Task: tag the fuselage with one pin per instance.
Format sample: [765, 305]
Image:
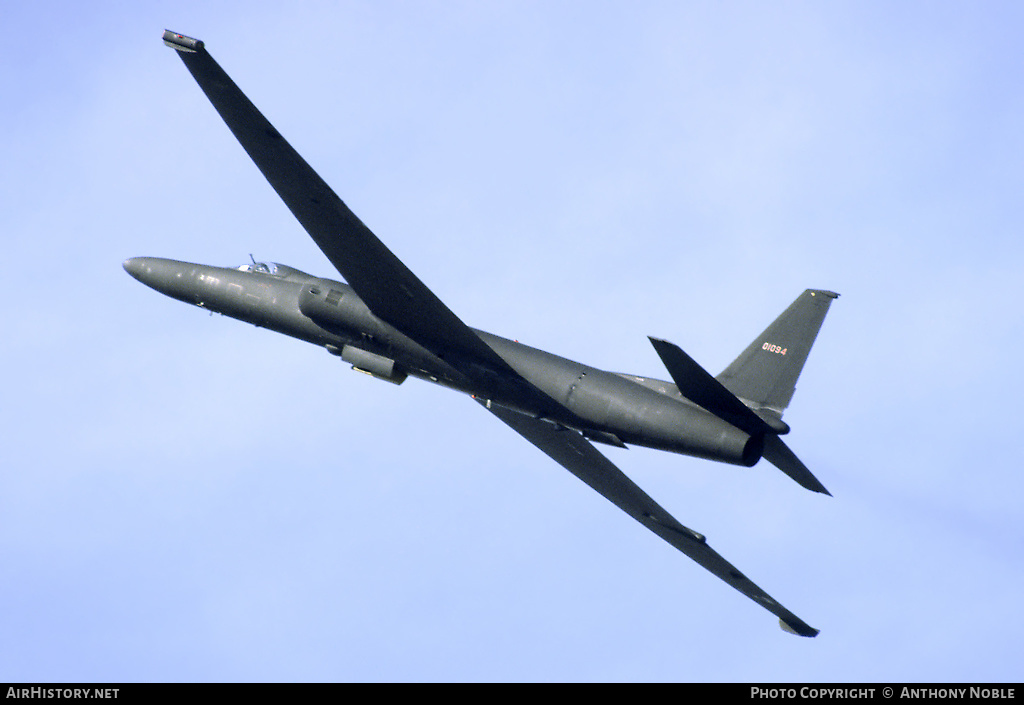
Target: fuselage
[607, 407]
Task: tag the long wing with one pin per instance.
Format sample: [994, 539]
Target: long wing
[575, 453]
[397, 296]
[391, 291]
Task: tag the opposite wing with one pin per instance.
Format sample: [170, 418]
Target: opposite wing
[575, 453]
[392, 292]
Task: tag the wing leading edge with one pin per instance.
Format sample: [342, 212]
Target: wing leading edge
[576, 454]
[391, 291]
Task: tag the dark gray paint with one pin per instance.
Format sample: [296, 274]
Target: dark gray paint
[387, 323]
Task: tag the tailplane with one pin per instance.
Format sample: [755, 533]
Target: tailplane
[778, 454]
[756, 388]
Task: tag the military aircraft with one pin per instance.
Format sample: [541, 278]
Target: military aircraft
[386, 323]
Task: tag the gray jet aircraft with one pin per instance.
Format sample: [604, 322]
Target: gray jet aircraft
[385, 322]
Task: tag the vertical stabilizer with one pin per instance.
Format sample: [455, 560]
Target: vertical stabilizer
[766, 372]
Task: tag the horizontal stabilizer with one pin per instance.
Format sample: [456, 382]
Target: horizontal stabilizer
[696, 384]
[778, 454]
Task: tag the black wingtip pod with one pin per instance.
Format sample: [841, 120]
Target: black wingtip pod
[179, 42]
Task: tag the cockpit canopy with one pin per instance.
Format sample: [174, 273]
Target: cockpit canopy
[271, 268]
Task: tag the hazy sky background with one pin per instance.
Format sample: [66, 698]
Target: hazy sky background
[187, 498]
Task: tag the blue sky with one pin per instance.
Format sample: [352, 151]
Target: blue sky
[188, 498]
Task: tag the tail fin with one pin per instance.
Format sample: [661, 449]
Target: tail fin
[765, 373]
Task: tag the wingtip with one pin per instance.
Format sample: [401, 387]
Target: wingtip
[179, 42]
[798, 628]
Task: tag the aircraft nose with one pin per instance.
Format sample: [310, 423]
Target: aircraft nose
[171, 277]
[154, 272]
[135, 266]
